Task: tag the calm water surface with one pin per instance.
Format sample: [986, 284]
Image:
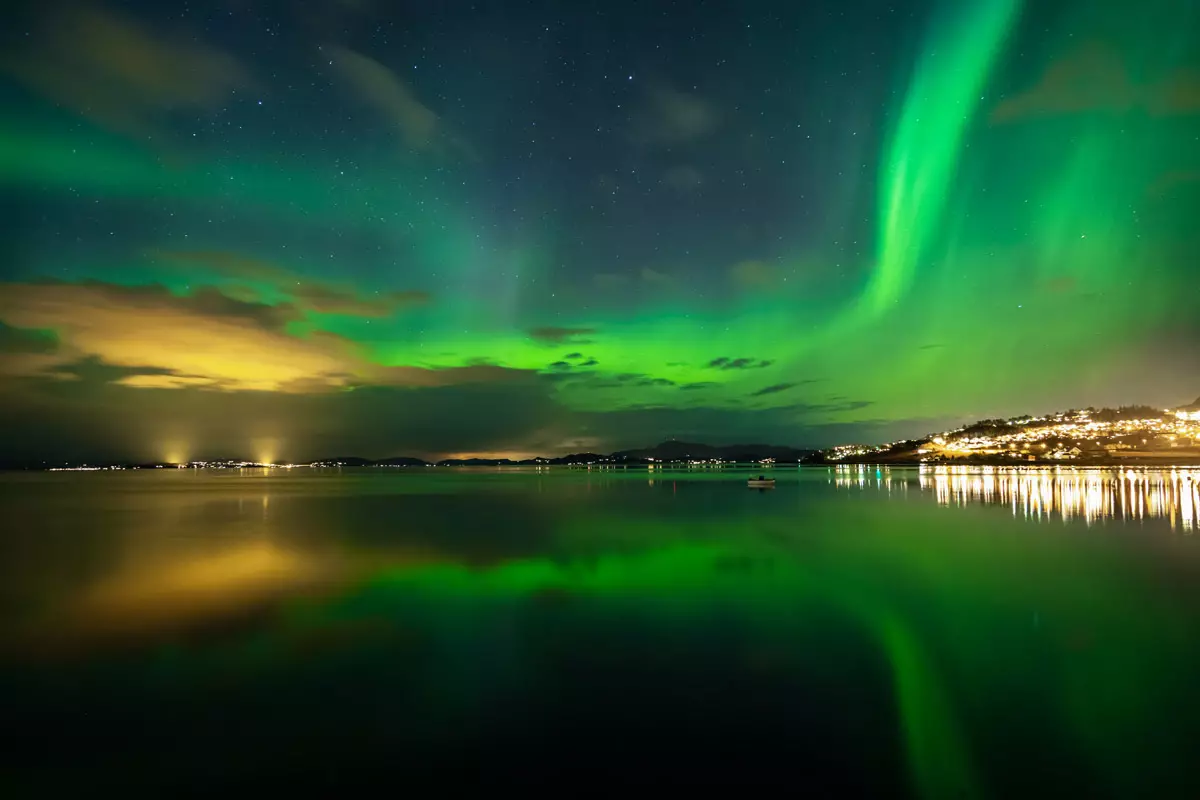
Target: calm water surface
[936, 633]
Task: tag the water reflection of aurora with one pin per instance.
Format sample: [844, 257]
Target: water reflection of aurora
[957, 649]
[961, 645]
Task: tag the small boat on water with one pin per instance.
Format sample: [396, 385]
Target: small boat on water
[761, 482]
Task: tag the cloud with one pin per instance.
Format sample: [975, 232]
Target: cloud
[689, 387]
[683, 178]
[640, 379]
[799, 425]
[670, 117]
[1172, 181]
[317, 296]
[738, 363]
[92, 369]
[555, 335]
[562, 369]
[1094, 78]
[1062, 284]
[21, 340]
[753, 274]
[228, 264]
[165, 340]
[656, 278]
[573, 356]
[328, 300]
[647, 275]
[394, 99]
[1178, 93]
[120, 75]
[773, 389]
[609, 280]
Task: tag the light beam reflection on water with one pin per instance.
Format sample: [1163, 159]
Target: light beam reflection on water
[1063, 492]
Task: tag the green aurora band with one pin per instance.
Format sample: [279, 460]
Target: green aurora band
[920, 165]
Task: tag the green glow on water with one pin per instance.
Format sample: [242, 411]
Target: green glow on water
[972, 640]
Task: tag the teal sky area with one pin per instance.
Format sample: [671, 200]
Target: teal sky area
[389, 228]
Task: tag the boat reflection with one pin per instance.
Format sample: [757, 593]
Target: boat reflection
[1060, 492]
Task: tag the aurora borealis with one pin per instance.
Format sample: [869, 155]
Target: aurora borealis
[378, 228]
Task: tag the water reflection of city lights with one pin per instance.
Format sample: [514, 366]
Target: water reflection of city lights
[863, 476]
[1063, 492]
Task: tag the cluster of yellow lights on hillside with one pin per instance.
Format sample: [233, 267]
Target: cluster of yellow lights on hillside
[1037, 435]
[854, 450]
[1060, 437]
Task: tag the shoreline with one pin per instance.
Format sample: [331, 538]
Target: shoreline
[1132, 463]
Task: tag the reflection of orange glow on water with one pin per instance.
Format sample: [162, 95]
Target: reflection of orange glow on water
[225, 592]
[196, 588]
[1063, 492]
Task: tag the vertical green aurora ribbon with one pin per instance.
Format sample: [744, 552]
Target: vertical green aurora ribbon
[918, 168]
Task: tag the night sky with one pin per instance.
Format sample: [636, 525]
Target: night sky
[282, 231]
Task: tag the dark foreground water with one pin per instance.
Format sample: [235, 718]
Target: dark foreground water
[852, 632]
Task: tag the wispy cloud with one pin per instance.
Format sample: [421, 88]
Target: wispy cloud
[753, 274]
[647, 275]
[1171, 181]
[551, 334]
[21, 340]
[1094, 78]
[684, 178]
[119, 74]
[321, 297]
[656, 278]
[773, 389]
[610, 280]
[394, 99]
[670, 117]
[726, 363]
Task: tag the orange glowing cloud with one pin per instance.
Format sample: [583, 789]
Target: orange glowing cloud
[155, 339]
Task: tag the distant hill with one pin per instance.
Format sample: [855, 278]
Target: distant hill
[1091, 435]
[477, 462]
[1094, 436]
[349, 461]
[673, 450]
[667, 451]
[401, 461]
